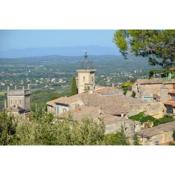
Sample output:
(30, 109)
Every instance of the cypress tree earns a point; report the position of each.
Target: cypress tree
(74, 89)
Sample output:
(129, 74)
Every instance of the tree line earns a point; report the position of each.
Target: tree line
(41, 128)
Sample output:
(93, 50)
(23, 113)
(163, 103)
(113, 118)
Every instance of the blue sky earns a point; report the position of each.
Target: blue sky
(21, 39)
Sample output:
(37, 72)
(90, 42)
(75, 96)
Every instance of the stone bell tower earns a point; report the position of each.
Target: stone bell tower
(86, 76)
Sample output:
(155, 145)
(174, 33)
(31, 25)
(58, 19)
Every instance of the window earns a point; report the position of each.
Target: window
(92, 79)
(83, 78)
(173, 97)
(169, 109)
(156, 142)
(64, 109)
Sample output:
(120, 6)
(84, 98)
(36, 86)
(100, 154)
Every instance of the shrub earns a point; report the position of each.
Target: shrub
(118, 138)
(7, 129)
(141, 117)
(133, 94)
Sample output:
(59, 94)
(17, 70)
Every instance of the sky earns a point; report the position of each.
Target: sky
(22, 39)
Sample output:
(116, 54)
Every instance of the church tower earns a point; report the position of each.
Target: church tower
(86, 76)
(18, 100)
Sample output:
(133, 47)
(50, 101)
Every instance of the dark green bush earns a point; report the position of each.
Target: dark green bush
(141, 117)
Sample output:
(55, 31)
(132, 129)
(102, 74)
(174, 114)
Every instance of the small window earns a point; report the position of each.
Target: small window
(173, 97)
(156, 142)
(64, 109)
(84, 78)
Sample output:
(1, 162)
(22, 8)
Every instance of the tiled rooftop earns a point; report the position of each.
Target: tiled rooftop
(155, 81)
(149, 132)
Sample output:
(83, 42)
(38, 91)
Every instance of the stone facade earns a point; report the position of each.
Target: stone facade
(18, 101)
(151, 90)
(64, 104)
(85, 80)
(161, 134)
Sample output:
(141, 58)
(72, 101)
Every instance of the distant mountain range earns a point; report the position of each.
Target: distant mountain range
(65, 51)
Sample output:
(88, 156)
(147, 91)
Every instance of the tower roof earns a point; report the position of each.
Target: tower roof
(86, 63)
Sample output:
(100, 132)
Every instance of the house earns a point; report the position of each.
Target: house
(161, 134)
(107, 103)
(112, 123)
(170, 103)
(64, 104)
(153, 90)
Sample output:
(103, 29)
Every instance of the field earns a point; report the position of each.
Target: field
(50, 76)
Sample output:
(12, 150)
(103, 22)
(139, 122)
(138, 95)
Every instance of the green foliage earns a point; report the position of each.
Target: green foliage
(164, 119)
(38, 111)
(126, 86)
(49, 130)
(158, 45)
(118, 138)
(133, 94)
(174, 135)
(25, 133)
(2, 98)
(53, 131)
(161, 72)
(120, 41)
(7, 129)
(141, 117)
(136, 140)
(74, 89)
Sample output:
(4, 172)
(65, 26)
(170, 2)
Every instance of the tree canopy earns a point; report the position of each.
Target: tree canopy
(47, 129)
(157, 45)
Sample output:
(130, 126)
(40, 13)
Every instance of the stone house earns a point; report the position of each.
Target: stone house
(158, 135)
(109, 104)
(112, 123)
(64, 104)
(170, 103)
(151, 90)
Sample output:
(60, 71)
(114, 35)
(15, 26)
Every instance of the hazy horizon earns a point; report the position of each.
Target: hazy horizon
(15, 43)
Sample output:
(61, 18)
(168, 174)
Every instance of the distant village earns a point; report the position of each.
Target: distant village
(151, 97)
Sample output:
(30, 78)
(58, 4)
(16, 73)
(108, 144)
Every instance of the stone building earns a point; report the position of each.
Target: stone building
(155, 89)
(106, 103)
(18, 101)
(170, 103)
(64, 104)
(86, 76)
(86, 80)
(161, 134)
